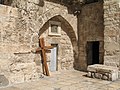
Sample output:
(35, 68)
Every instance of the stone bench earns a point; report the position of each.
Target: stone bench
(103, 72)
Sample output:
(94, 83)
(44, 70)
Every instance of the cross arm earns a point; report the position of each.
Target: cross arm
(36, 50)
(39, 49)
(48, 47)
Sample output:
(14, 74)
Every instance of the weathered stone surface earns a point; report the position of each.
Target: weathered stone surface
(3, 81)
(91, 28)
(66, 80)
(21, 27)
(105, 77)
(112, 33)
(103, 72)
(8, 11)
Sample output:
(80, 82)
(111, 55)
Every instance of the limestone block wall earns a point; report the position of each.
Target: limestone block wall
(14, 66)
(91, 28)
(112, 33)
(20, 29)
(34, 14)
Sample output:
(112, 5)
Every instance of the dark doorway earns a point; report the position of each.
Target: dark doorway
(93, 52)
(1, 1)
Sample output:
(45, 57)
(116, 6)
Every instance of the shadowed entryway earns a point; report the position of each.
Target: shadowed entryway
(92, 52)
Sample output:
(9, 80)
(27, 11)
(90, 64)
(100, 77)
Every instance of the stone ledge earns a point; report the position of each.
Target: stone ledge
(103, 72)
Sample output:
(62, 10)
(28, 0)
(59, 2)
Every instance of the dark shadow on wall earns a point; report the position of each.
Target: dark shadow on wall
(74, 6)
(71, 7)
(41, 3)
(6, 2)
(67, 28)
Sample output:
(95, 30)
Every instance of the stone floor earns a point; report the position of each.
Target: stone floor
(66, 80)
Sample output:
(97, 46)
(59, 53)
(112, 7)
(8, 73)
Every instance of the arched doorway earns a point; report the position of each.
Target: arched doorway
(59, 33)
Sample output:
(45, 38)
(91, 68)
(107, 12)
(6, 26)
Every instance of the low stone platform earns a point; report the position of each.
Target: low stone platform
(103, 72)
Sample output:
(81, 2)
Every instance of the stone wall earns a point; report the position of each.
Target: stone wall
(112, 33)
(15, 66)
(36, 14)
(20, 29)
(91, 28)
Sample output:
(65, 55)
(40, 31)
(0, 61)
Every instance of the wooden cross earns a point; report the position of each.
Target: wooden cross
(43, 49)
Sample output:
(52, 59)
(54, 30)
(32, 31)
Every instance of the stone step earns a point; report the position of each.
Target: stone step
(103, 72)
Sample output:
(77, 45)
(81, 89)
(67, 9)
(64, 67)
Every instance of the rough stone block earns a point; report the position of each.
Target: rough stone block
(91, 68)
(89, 74)
(3, 81)
(34, 1)
(103, 72)
(105, 77)
(8, 11)
(114, 76)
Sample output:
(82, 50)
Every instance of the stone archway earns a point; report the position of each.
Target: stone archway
(66, 42)
(56, 11)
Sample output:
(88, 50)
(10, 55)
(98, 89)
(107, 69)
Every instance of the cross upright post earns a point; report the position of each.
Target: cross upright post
(43, 49)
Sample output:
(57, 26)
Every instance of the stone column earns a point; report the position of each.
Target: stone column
(82, 64)
(112, 33)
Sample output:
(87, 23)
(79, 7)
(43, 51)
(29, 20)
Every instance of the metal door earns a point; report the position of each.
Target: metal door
(53, 59)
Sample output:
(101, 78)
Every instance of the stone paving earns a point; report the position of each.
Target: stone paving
(66, 80)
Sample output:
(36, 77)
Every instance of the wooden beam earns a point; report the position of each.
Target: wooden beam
(42, 44)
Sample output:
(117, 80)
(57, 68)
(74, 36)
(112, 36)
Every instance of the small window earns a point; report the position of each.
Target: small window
(54, 28)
